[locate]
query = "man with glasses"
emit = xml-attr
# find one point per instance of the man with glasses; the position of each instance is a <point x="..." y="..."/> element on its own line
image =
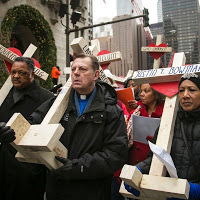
<point x="20" y="180"/>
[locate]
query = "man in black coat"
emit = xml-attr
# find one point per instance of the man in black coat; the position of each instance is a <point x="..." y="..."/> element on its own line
<point x="21" y="180"/>
<point x="95" y="136"/>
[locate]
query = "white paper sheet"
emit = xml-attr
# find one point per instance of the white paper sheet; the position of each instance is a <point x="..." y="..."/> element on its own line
<point x="143" y="127"/>
<point x="165" y="158"/>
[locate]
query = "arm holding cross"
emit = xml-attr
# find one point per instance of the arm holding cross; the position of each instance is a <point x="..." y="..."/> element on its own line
<point x="185" y="143"/>
<point x="95" y="136"/>
<point x="24" y="97"/>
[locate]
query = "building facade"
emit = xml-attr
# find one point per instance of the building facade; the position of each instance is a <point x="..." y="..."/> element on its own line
<point x="182" y="28"/>
<point x="159" y="11"/>
<point x="128" y="37"/>
<point x="103" y="31"/>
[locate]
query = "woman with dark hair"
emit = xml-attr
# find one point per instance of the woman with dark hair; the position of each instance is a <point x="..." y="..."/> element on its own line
<point x="130" y="83"/>
<point x="186" y="140"/>
<point x="151" y="104"/>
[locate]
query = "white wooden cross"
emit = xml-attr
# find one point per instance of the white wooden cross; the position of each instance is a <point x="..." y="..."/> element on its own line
<point x="110" y="57"/>
<point x="157" y="50"/>
<point x="79" y="45"/>
<point x="155" y="185"/>
<point x="10" y="57"/>
<point x="40" y="143"/>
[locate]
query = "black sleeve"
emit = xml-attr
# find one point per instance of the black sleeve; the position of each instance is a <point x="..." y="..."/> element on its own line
<point x="38" y="115"/>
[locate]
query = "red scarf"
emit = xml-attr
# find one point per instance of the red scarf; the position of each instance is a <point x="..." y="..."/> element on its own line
<point x="157" y="114"/>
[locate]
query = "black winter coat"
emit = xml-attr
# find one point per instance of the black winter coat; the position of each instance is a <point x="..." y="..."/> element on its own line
<point x="188" y="166"/>
<point x="97" y="145"/>
<point x="21" y="180"/>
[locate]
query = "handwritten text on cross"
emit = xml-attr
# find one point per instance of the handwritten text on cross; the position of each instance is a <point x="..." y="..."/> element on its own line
<point x="160" y="73"/>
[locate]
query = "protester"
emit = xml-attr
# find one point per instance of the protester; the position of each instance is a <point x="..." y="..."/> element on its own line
<point x="151" y="104"/>
<point x="186" y="143"/>
<point x="20" y="180"/>
<point x="55" y="74"/>
<point x="95" y="136"/>
<point x="130" y="83"/>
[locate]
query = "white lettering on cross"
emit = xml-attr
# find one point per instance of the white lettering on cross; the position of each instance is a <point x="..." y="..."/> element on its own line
<point x="110" y="57"/>
<point x="164" y="74"/>
<point x="156" y="49"/>
<point x="8" y="55"/>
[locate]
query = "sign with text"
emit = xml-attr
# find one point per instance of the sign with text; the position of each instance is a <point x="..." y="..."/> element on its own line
<point x="156" y="49"/>
<point x="164" y="74"/>
<point x="107" y="58"/>
<point x="9" y="56"/>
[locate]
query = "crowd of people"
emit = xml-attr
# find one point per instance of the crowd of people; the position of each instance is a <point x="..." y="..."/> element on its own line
<point x="98" y="138"/>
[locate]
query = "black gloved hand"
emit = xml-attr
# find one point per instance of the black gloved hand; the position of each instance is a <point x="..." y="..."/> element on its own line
<point x="7" y="134"/>
<point x="64" y="172"/>
<point x="66" y="162"/>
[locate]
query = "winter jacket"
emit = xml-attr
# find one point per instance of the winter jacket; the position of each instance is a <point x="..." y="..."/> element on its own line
<point x="55" y="72"/>
<point x="188" y="166"/>
<point x="97" y="146"/>
<point x="21" y="180"/>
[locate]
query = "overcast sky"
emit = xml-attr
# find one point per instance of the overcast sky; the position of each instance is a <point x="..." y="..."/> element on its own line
<point x="108" y="9"/>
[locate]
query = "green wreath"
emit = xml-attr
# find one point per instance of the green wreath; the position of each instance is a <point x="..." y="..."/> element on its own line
<point x="31" y="18"/>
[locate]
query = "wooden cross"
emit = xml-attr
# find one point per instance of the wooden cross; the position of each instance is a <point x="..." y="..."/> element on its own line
<point x="33" y="143"/>
<point x="155" y="185"/>
<point x="157" y="49"/>
<point x="110" y="57"/>
<point x="10" y="57"/>
<point x="19" y="125"/>
<point x="79" y="45"/>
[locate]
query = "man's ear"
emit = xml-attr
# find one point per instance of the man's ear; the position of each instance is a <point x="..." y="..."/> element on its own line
<point x="96" y="75"/>
<point x="32" y="74"/>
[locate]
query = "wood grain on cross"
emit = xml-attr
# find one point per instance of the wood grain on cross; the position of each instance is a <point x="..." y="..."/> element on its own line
<point x="40" y="143"/>
<point x="155" y="185"/>
<point x="157" y="49"/>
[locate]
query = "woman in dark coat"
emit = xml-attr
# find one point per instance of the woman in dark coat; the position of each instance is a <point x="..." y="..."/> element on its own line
<point x="186" y="139"/>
